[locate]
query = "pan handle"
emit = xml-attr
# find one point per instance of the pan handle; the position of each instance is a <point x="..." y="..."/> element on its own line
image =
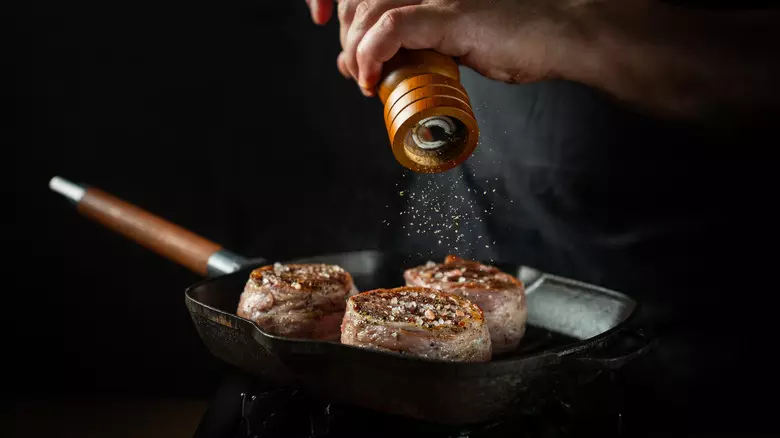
<point x="194" y="252"/>
<point x="627" y="345"/>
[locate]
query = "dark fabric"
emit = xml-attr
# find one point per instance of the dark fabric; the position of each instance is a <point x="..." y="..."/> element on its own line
<point x="572" y="183"/>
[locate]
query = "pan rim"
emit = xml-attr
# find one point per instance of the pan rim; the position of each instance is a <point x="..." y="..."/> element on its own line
<point x="559" y="351"/>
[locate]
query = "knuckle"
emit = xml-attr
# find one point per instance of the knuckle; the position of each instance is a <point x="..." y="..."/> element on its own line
<point x="357" y="21"/>
<point x="364" y="13"/>
<point x="343" y="9"/>
<point x="361" y="9"/>
<point x="348" y="8"/>
<point x="370" y="5"/>
<point x="363" y="53"/>
<point x="390" y="21"/>
<point x="340" y="10"/>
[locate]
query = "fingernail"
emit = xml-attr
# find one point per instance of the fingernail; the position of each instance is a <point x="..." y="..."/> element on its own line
<point x="366" y="88"/>
<point x="367" y="73"/>
<point x="362" y="82"/>
<point x="360" y="10"/>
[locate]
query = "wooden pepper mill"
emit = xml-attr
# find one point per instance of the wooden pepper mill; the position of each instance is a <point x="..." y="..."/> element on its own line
<point x="427" y="112"/>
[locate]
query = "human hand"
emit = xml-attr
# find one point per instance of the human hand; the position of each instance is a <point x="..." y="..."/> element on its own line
<point x="507" y="40"/>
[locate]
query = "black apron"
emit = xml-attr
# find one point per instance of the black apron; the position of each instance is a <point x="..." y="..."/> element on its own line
<point x="570" y="182"/>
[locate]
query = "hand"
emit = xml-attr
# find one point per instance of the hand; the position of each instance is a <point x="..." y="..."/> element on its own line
<point x="700" y="63"/>
<point x="507" y="40"/>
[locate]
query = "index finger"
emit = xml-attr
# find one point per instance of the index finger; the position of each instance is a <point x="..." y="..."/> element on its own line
<point x="410" y="27"/>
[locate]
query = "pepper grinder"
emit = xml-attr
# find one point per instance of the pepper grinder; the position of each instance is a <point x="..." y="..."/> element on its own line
<point x="427" y="111"/>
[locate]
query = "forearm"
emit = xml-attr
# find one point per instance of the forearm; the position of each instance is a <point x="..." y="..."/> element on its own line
<point x="679" y="62"/>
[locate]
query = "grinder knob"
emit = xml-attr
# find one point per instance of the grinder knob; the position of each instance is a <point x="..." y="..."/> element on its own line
<point x="427" y="112"/>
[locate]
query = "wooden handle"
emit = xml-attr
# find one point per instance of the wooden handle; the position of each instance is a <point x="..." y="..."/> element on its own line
<point x="157" y="234"/>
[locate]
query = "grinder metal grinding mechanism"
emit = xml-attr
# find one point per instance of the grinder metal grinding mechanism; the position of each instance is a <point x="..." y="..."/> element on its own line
<point x="427" y="112"/>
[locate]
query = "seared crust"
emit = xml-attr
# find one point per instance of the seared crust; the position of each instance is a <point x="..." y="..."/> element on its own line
<point x="459" y="273"/>
<point x="297" y="300"/>
<point x="420" y="306"/>
<point x="305" y="277"/>
<point x="501" y="296"/>
<point x="417" y="321"/>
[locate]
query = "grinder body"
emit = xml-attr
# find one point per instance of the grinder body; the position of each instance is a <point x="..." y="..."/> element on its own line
<point x="427" y="112"/>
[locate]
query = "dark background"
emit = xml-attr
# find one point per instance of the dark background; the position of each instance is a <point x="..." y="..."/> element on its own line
<point x="228" y="118"/>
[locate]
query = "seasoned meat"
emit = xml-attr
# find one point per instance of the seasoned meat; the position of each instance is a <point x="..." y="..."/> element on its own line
<point x="417" y="321"/>
<point x="501" y="296"/>
<point x="297" y="301"/>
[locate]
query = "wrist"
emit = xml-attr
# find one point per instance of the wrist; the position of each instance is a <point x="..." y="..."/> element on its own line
<point x="600" y="44"/>
<point x="584" y="43"/>
<point x="616" y="47"/>
<point x="670" y="60"/>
